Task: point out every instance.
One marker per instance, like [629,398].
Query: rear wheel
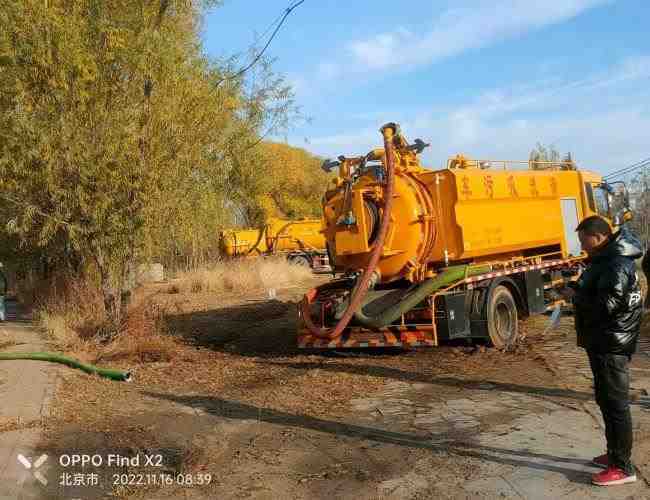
[502,317]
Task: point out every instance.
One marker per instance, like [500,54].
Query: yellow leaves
[291,181]
[269,207]
[85,139]
[231,103]
[87,71]
[116,39]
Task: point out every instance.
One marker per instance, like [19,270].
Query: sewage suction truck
[300,241]
[463,252]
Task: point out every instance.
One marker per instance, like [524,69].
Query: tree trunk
[109,292]
[127,285]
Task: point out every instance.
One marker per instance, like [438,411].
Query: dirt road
[240,404]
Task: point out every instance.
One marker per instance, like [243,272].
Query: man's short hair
[595,225]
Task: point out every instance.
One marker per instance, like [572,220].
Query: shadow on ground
[260,328]
[265,329]
[408,376]
[432,442]
[417,377]
[256,328]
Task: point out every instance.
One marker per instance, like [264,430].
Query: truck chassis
[486,306]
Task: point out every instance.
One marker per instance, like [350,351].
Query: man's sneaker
[601,461]
[611,476]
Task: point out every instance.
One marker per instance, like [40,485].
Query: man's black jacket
[608,303]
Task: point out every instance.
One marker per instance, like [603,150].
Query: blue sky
[488,78]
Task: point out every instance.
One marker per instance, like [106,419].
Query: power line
[270,27]
[261,52]
[258,37]
[631,172]
[628,169]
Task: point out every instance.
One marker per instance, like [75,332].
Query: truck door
[570,221]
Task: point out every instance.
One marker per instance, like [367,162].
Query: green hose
[413,296]
[73,363]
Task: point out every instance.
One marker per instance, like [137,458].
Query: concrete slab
[26,389]
[525,446]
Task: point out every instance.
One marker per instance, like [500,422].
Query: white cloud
[460,29]
[381,50]
[472,25]
[630,69]
[599,118]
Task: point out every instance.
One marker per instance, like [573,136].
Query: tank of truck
[471,211]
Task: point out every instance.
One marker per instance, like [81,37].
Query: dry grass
[70,310]
[241,275]
[59,327]
[72,313]
[143,338]
[17,423]
[8,343]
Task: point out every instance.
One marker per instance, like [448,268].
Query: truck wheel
[502,317]
[300,260]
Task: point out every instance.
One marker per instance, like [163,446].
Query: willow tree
[107,108]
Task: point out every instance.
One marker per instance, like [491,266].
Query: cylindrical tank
[235,242]
[464,213]
[278,235]
[286,235]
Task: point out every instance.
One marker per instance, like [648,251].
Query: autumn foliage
[122,142]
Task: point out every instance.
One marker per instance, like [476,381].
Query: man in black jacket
[608,308]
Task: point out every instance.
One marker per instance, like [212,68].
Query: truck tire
[502,317]
[299,260]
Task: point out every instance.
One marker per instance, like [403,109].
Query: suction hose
[415,295]
[388,131]
[73,363]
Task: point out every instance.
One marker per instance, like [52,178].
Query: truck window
[589,190]
[602,205]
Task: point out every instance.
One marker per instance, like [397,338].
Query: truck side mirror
[329,165]
[418,146]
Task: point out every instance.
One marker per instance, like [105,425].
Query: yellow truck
[300,241]
[460,252]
